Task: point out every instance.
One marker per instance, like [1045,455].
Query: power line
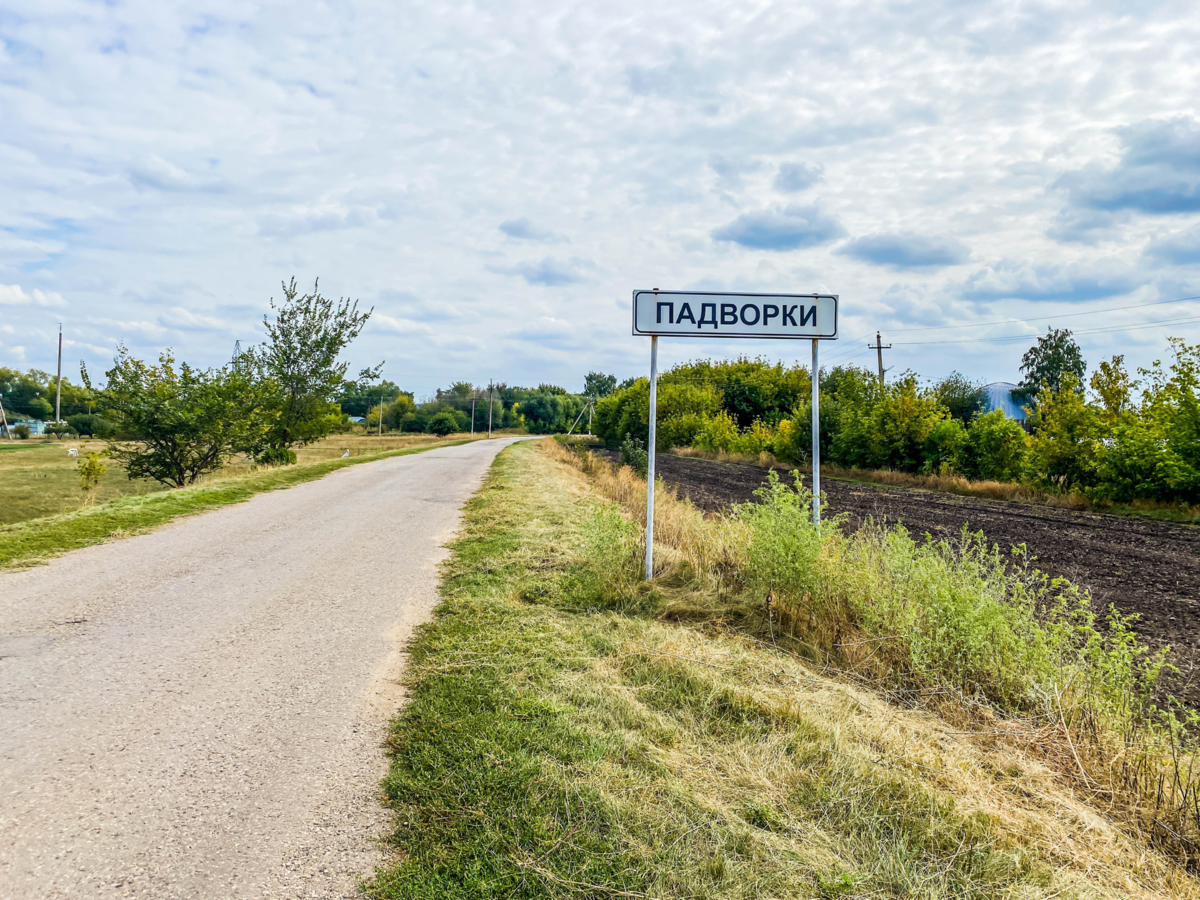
[1003,338]
[1091,312]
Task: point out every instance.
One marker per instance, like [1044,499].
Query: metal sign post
[726,315]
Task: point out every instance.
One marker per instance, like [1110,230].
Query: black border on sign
[737,334]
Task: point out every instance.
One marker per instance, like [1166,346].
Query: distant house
[999,395]
[357,419]
[36,426]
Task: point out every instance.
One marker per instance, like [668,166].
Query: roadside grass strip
[35,541]
[566,737]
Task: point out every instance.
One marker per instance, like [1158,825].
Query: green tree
[1066,432]
[300,363]
[1046,364]
[183,422]
[1114,389]
[444,423]
[994,449]
[962,397]
[91,469]
[597,384]
[901,423]
[357,397]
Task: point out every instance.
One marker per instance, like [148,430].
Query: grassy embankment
[959,484]
[572,732]
[45,476]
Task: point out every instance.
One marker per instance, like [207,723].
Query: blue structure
[998,395]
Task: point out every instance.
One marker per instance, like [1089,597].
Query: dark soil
[1142,567]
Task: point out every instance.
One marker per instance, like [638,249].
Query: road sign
[723,315]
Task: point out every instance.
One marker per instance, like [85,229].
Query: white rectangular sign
[703,314]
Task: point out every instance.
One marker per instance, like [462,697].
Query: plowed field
[1142,567]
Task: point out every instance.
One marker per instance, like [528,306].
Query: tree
[91,470]
[300,362]
[184,422]
[357,397]
[444,423]
[1114,389]
[543,412]
[961,396]
[1062,452]
[597,384]
[995,448]
[1046,364]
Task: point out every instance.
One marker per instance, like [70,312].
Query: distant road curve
[198,712]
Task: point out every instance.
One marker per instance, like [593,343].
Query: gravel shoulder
[198,712]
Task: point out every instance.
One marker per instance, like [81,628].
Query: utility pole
[4,421]
[58,389]
[473,393]
[381,405]
[879,346]
[489,409]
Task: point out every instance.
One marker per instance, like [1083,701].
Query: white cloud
[432,161]
[15,295]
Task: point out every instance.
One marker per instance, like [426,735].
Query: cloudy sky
[496,178]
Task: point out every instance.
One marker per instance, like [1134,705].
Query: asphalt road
[198,712]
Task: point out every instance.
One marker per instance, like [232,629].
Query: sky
[495,179]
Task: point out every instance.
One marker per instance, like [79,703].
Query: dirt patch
[1142,567]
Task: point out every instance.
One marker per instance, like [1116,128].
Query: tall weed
[983,633]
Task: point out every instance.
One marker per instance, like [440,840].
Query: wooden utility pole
[474,391]
[58,389]
[4,421]
[489,410]
[879,346]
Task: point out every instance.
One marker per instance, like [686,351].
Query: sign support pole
[650,457]
[816,437]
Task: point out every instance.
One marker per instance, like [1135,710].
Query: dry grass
[1141,774]
[840,777]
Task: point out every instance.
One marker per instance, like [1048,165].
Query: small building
[36,426]
[999,395]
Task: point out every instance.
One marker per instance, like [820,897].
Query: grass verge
[34,541]
[563,738]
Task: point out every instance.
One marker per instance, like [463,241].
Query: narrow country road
[198,712]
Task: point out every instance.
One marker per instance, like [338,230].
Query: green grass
[557,746]
[35,540]
[38,478]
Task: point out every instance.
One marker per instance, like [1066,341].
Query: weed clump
[979,636]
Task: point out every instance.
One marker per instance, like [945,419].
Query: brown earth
[1142,567]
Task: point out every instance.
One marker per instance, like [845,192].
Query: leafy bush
[994,448]
[21,432]
[275,456]
[90,424]
[634,455]
[942,447]
[1062,452]
[91,469]
[444,423]
[717,433]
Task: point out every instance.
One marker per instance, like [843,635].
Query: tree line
[1116,436]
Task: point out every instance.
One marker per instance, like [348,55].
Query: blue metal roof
[998,395]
